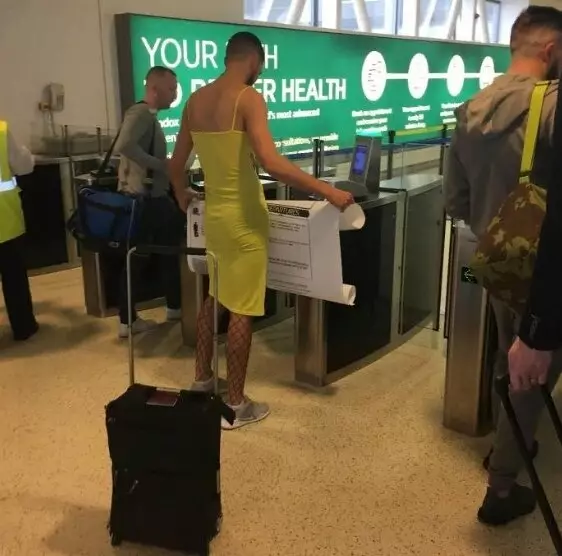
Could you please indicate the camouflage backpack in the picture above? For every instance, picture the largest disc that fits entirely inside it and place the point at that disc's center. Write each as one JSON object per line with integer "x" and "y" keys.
{"x": 505, "y": 256}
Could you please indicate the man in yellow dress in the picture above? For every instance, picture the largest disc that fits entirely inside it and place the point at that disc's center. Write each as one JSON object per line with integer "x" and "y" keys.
{"x": 226, "y": 122}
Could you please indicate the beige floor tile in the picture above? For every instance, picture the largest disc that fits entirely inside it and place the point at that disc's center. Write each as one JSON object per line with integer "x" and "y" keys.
{"x": 362, "y": 467}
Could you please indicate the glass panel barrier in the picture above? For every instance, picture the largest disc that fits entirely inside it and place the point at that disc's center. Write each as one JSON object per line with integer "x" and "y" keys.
{"x": 55, "y": 140}
{"x": 417, "y": 172}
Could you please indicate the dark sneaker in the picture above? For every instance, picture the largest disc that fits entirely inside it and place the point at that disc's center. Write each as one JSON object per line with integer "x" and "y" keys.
{"x": 534, "y": 454}
{"x": 500, "y": 511}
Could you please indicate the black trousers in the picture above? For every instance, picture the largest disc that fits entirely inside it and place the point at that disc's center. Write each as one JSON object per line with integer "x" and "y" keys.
{"x": 15, "y": 287}
{"x": 163, "y": 223}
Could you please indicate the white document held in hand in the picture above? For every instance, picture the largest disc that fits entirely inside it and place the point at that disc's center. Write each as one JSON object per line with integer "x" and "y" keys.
{"x": 304, "y": 247}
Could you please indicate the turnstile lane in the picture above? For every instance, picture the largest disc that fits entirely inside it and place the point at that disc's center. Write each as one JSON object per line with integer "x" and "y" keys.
{"x": 471, "y": 344}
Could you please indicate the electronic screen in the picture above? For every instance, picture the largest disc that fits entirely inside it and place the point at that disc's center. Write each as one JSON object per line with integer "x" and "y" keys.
{"x": 359, "y": 163}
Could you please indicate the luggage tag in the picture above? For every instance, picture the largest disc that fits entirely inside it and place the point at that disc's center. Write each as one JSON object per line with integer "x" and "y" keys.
{"x": 162, "y": 397}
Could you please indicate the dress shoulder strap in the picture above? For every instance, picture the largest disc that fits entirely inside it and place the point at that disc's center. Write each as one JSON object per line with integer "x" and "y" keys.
{"x": 236, "y": 107}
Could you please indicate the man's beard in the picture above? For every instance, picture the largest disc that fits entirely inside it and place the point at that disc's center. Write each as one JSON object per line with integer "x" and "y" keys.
{"x": 553, "y": 72}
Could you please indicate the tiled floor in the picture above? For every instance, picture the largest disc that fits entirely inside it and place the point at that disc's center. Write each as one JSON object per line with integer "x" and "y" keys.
{"x": 361, "y": 468}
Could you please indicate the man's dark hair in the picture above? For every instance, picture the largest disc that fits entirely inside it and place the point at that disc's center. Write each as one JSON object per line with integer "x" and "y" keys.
{"x": 242, "y": 45}
{"x": 535, "y": 26}
{"x": 159, "y": 71}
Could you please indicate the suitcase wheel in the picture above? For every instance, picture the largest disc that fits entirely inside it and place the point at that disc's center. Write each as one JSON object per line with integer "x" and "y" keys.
{"x": 115, "y": 540}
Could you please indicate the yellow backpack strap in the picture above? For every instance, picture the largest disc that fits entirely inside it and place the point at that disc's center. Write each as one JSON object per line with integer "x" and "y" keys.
{"x": 5, "y": 172}
{"x": 532, "y": 130}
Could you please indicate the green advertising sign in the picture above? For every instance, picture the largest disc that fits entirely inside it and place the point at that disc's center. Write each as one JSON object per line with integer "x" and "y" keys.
{"x": 317, "y": 84}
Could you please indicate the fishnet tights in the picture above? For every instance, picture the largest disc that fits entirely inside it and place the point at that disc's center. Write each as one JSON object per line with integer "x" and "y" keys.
{"x": 239, "y": 341}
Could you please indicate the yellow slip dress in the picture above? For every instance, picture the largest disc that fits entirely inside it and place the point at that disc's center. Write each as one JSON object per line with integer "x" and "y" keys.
{"x": 236, "y": 218}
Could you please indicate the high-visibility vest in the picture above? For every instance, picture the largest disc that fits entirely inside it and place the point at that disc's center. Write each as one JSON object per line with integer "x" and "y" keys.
{"x": 12, "y": 223}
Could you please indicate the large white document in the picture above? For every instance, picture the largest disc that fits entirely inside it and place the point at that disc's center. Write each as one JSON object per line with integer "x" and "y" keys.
{"x": 304, "y": 247}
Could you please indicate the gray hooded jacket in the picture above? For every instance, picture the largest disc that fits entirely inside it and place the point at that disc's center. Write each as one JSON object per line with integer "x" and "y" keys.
{"x": 485, "y": 153}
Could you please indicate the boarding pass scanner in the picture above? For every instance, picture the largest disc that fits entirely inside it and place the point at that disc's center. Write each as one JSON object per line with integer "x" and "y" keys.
{"x": 365, "y": 169}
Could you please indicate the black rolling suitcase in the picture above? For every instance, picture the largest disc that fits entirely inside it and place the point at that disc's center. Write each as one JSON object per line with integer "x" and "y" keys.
{"x": 502, "y": 388}
{"x": 165, "y": 452}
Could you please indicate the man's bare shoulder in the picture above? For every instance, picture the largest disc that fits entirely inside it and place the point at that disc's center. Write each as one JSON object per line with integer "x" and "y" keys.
{"x": 251, "y": 98}
{"x": 194, "y": 98}
{"x": 253, "y": 95}
{"x": 195, "y": 103}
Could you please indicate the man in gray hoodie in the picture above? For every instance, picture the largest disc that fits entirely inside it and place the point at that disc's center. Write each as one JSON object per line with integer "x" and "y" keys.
{"x": 482, "y": 170}
{"x": 143, "y": 172}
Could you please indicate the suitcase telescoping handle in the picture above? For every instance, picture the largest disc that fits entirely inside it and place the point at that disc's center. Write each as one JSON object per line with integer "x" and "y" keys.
{"x": 502, "y": 388}
{"x": 174, "y": 251}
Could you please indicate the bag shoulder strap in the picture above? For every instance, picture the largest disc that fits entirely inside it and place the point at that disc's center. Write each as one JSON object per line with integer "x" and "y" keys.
{"x": 532, "y": 130}
{"x": 109, "y": 153}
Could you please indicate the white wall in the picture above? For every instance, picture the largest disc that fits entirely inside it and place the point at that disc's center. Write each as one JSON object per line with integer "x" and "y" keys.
{"x": 72, "y": 42}
{"x": 552, "y": 3}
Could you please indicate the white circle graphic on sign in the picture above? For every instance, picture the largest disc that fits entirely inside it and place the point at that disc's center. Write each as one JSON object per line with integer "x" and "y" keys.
{"x": 418, "y": 75}
{"x": 455, "y": 75}
{"x": 373, "y": 76}
{"x": 487, "y": 72}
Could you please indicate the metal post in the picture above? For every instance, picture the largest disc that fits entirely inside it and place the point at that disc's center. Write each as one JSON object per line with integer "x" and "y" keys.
{"x": 454, "y": 12}
{"x": 466, "y": 22}
{"x": 295, "y": 11}
{"x": 362, "y": 15}
{"x": 471, "y": 343}
{"x": 265, "y": 10}
{"x": 473, "y": 21}
{"x": 450, "y": 266}
{"x": 437, "y": 322}
{"x": 390, "y": 154}
{"x": 130, "y": 253}
{"x": 316, "y": 14}
{"x": 318, "y": 158}
{"x": 442, "y": 150}
{"x": 483, "y": 20}
{"x": 310, "y": 338}
{"x": 315, "y": 157}
{"x": 426, "y": 22}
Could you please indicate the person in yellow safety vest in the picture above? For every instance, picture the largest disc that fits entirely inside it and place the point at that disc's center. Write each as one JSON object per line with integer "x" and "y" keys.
{"x": 14, "y": 160}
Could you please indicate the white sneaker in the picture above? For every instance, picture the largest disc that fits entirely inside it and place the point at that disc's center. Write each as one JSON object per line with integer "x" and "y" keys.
{"x": 139, "y": 327}
{"x": 247, "y": 412}
{"x": 173, "y": 315}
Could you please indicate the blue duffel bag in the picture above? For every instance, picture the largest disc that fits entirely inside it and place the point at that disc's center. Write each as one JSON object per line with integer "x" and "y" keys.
{"x": 105, "y": 219}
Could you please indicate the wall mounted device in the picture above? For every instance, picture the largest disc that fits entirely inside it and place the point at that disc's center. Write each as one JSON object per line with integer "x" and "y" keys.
{"x": 53, "y": 98}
